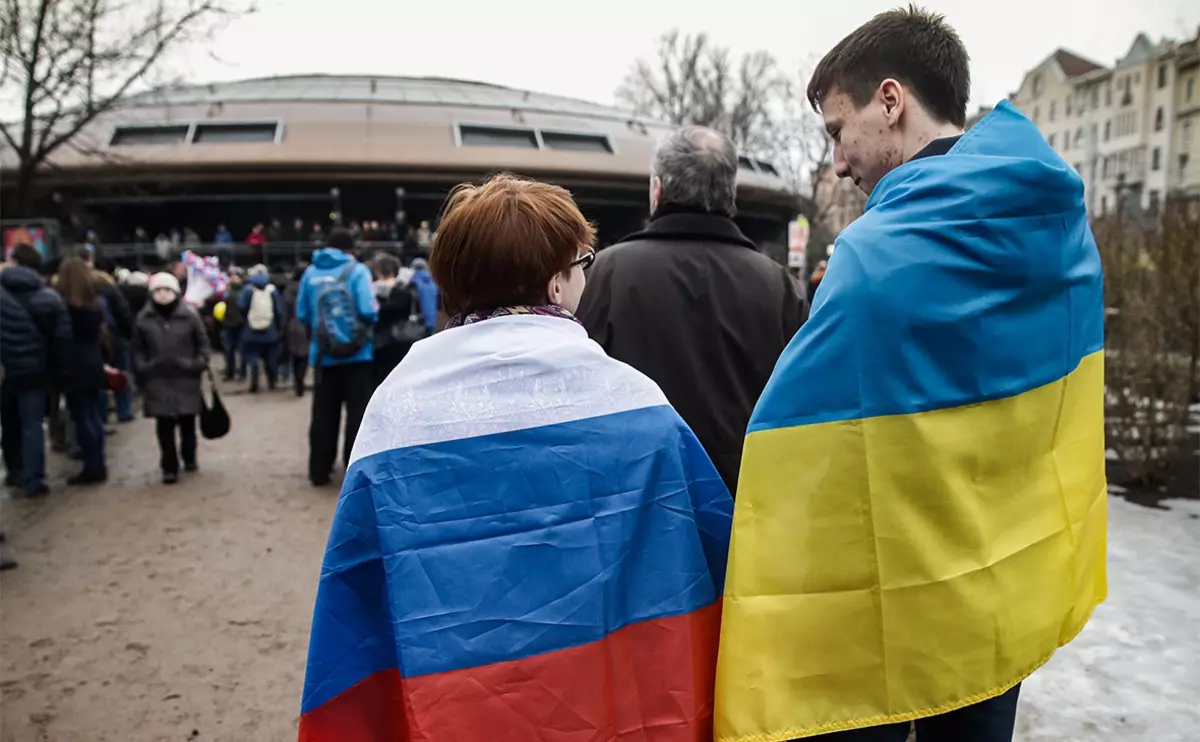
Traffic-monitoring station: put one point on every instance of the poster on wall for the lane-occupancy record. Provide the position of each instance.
(797, 242)
(36, 236)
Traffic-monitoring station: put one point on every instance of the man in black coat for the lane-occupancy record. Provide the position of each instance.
(35, 342)
(690, 302)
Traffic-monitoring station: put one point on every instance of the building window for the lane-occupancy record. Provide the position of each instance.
(1127, 96)
(1156, 159)
(766, 167)
(1068, 106)
(577, 142)
(1053, 109)
(1158, 119)
(1066, 141)
(1095, 98)
(1153, 202)
(1107, 129)
(1183, 163)
(1108, 94)
(1187, 134)
(1103, 205)
(1104, 168)
(231, 133)
(1037, 85)
(132, 136)
(1036, 114)
(496, 136)
(1191, 88)
(1050, 139)
(1078, 137)
(1078, 167)
(1162, 76)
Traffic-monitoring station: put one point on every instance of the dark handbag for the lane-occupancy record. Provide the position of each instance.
(214, 420)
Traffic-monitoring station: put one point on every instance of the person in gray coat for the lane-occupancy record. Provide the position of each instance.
(170, 355)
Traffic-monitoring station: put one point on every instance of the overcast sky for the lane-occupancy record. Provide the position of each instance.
(583, 49)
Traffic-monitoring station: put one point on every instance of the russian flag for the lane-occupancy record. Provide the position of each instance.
(529, 545)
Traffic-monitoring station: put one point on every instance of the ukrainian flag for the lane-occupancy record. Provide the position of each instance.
(920, 519)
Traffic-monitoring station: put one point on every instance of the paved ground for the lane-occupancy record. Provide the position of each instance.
(143, 613)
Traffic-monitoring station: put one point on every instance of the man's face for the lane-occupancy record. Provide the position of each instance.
(866, 142)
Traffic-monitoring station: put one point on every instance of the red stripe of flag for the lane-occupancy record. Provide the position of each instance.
(648, 682)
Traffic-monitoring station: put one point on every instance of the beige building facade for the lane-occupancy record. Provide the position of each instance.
(1128, 129)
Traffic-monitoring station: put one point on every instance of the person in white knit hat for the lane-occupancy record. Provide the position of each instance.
(170, 355)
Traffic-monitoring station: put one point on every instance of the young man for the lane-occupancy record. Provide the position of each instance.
(921, 514)
(337, 305)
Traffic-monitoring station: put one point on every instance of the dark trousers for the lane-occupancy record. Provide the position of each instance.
(264, 355)
(21, 436)
(299, 370)
(346, 385)
(164, 428)
(231, 341)
(88, 411)
(992, 720)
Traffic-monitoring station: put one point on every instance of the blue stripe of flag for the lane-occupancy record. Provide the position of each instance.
(507, 546)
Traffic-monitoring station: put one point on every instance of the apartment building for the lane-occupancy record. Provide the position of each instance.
(1120, 127)
(1184, 172)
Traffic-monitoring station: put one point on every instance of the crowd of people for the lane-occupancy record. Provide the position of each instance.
(79, 338)
(410, 240)
(537, 535)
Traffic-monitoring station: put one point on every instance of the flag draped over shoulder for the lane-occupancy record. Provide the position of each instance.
(529, 545)
(920, 518)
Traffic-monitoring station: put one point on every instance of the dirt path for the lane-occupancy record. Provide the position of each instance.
(145, 612)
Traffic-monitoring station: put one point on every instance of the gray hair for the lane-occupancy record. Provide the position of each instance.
(698, 167)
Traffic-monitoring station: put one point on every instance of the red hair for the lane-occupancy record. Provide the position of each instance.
(499, 244)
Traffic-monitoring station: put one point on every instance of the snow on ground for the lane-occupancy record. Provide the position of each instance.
(1134, 672)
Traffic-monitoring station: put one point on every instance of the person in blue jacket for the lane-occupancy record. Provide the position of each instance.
(427, 294)
(262, 307)
(337, 305)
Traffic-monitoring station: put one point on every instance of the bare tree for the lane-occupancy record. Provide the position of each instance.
(694, 81)
(65, 62)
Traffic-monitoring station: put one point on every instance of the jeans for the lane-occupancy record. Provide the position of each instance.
(231, 340)
(261, 354)
(88, 410)
(992, 720)
(349, 385)
(164, 429)
(124, 399)
(24, 441)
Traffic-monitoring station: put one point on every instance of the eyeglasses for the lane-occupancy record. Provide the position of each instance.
(585, 261)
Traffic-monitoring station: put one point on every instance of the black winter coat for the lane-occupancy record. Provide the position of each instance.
(85, 370)
(35, 331)
(691, 303)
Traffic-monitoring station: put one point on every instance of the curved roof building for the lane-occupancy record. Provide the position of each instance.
(365, 147)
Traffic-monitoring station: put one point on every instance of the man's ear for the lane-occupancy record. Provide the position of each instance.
(892, 96)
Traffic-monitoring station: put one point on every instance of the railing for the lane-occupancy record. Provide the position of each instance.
(286, 253)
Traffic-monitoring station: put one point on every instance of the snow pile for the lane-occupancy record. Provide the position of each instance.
(1134, 672)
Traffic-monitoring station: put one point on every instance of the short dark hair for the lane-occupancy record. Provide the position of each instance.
(340, 238)
(387, 266)
(500, 243)
(912, 45)
(83, 253)
(26, 256)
